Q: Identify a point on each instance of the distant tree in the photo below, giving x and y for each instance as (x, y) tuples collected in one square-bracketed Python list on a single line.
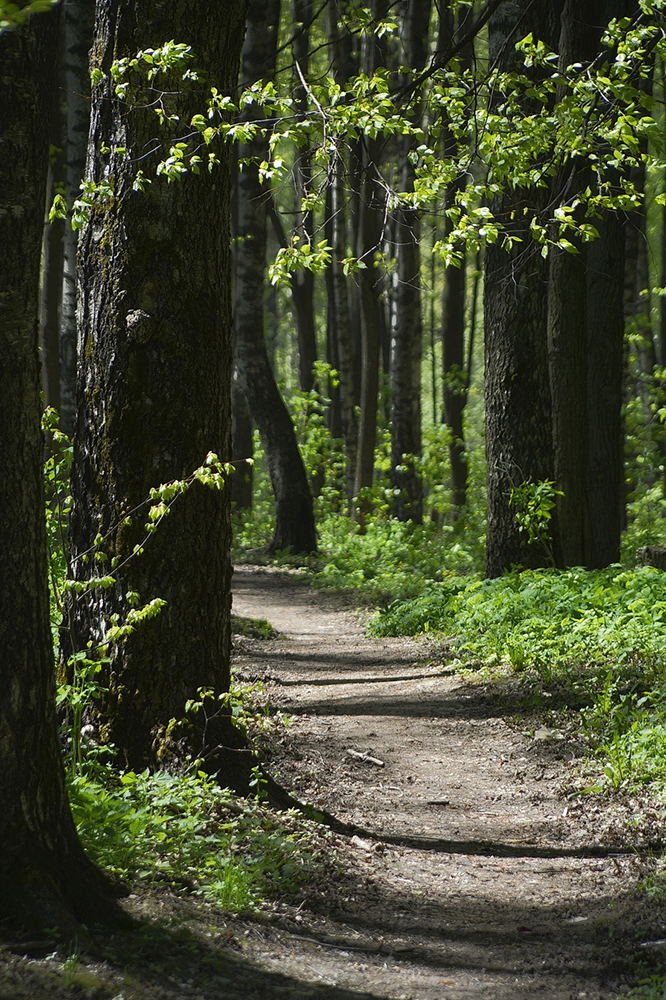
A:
[(372, 280), (294, 517), (406, 319), (452, 26), (78, 18)]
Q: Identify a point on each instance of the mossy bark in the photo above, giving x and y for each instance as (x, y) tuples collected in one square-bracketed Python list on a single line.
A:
[(154, 395)]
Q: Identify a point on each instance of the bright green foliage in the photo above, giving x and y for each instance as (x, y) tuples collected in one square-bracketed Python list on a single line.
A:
[(653, 988), (58, 502), (533, 505), (14, 14), (187, 832), (391, 558), (182, 830), (507, 125), (599, 635)]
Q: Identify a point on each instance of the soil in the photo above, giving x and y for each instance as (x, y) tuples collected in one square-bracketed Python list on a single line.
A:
[(467, 871)]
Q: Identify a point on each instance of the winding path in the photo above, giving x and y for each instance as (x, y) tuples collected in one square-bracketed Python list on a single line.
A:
[(472, 879)]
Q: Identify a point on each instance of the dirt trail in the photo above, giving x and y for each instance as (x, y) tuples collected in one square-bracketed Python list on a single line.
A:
[(476, 882)]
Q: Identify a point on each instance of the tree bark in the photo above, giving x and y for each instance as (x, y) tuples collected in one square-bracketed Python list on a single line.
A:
[(154, 384), (343, 332), (371, 220), (567, 322), (45, 879), (339, 44), (519, 444), (454, 371), (605, 333), (303, 282), (78, 17), (406, 320)]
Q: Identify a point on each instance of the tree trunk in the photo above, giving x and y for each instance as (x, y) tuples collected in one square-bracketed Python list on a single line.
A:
[(567, 322), (241, 447), (302, 285), (371, 217), (46, 881), (605, 331), (519, 446), (339, 45), (406, 322), (343, 331), (335, 409), (154, 386), (454, 371), (294, 527), (78, 17)]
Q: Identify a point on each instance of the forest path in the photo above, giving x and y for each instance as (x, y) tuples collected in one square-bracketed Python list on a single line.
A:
[(472, 882)]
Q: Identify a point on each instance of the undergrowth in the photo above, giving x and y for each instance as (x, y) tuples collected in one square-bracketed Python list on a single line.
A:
[(600, 637), (178, 829), (187, 832)]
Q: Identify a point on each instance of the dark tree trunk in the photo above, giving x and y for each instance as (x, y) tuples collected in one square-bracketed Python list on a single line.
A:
[(454, 371), (154, 386), (339, 43), (605, 331), (294, 527), (567, 349), (45, 879), (302, 285), (567, 323), (78, 17), (371, 215), (405, 371), (519, 444), (518, 415), (343, 331), (406, 321), (241, 447), (335, 410), (456, 380)]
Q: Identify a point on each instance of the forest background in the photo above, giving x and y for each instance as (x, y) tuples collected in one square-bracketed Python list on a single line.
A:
[(446, 265)]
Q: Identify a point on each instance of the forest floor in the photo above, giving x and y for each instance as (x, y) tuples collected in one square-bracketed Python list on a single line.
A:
[(468, 870)]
